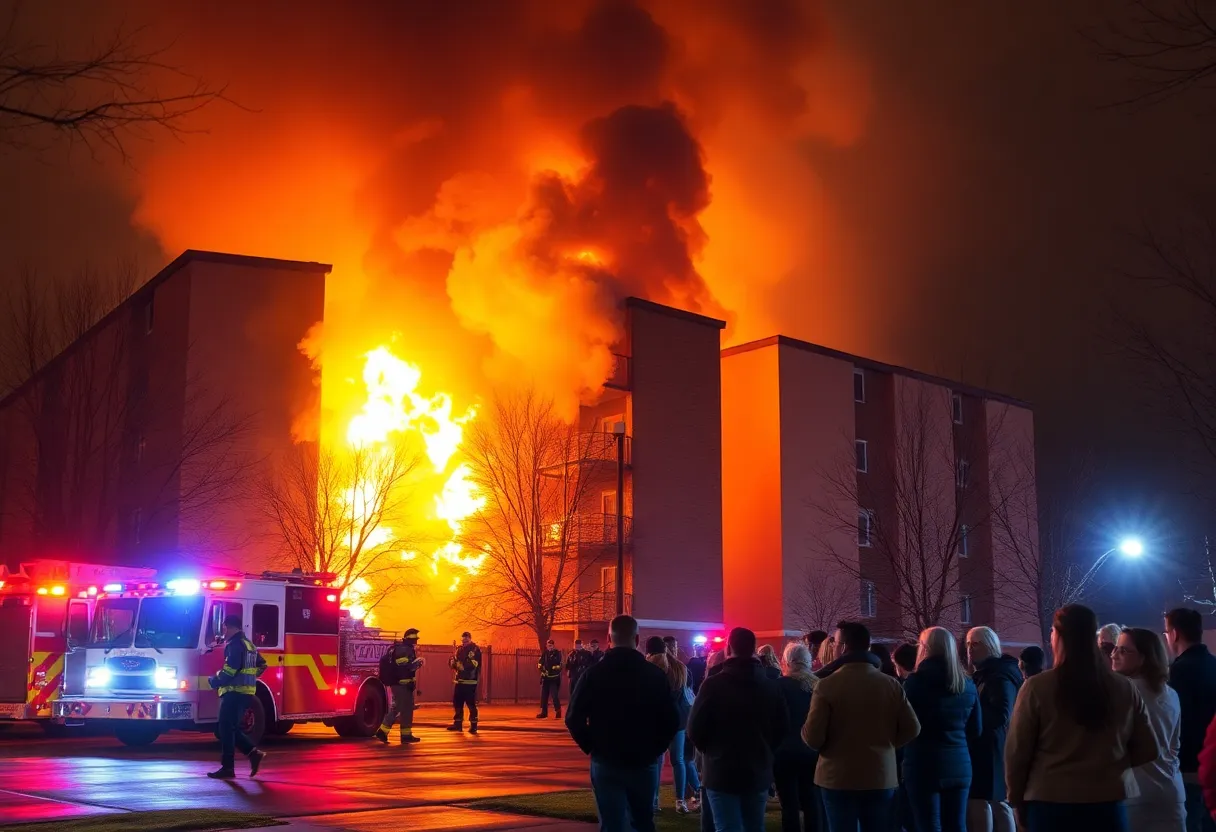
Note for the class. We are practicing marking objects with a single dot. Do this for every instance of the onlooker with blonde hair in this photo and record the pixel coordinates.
(997, 679)
(1161, 804)
(794, 761)
(937, 764)
(827, 652)
(683, 771)
(770, 662)
(1076, 730)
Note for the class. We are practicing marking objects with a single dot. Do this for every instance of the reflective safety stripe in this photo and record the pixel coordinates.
(245, 679)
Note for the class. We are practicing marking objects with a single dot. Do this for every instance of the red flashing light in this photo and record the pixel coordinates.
(1, 584)
(218, 585)
(331, 598)
(717, 639)
(340, 691)
(43, 590)
(58, 590)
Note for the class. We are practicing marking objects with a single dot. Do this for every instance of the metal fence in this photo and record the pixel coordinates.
(507, 676)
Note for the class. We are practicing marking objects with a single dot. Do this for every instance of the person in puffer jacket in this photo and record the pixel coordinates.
(997, 679)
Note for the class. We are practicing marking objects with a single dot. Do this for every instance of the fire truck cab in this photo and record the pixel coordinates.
(45, 607)
(151, 648)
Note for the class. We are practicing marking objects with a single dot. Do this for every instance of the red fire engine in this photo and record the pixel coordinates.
(44, 607)
(151, 648)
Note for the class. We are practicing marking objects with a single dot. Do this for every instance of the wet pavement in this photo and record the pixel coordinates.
(312, 776)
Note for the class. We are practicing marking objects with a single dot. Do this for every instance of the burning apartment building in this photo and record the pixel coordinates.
(131, 445)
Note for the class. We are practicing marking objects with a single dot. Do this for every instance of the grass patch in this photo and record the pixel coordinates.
(168, 820)
(579, 805)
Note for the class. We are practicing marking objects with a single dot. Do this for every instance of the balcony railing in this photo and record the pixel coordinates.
(592, 607)
(621, 377)
(584, 531)
(591, 447)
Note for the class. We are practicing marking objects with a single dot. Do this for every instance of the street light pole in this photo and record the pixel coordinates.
(619, 429)
(1131, 547)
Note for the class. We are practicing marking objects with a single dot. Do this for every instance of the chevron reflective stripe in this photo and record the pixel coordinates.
(309, 661)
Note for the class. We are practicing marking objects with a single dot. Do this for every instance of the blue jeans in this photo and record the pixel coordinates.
(1075, 817)
(232, 710)
(939, 809)
(1198, 818)
(683, 771)
(624, 795)
(851, 811)
(737, 812)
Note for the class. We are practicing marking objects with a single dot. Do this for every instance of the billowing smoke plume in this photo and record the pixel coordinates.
(491, 179)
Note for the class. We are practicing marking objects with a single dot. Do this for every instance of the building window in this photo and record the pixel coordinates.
(141, 445)
(956, 407)
(608, 423)
(863, 455)
(149, 313)
(136, 525)
(962, 473)
(962, 541)
(869, 600)
(965, 610)
(865, 527)
(859, 385)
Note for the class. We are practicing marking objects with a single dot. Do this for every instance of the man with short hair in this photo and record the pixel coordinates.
(596, 652)
(550, 667)
(1193, 678)
(904, 658)
(624, 717)
(236, 684)
(813, 640)
(466, 672)
(737, 721)
(577, 663)
(697, 668)
(858, 717)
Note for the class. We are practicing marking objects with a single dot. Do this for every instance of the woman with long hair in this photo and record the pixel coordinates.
(770, 662)
(794, 761)
(683, 772)
(1160, 807)
(1076, 730)
(827, 652)
(937, 764)
(997, 680)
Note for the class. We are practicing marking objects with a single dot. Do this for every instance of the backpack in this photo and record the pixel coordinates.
(388, 667)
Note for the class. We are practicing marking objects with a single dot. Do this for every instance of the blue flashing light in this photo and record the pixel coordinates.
(112, 588)
(183, 586)
(699, 639)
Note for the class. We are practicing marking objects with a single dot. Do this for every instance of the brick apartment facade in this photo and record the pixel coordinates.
(125, 446)
(824, 454)
(666, 389)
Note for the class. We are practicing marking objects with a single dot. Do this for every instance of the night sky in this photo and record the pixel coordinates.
(975, 205)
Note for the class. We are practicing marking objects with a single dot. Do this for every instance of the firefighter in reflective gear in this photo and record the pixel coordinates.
(466, 671)
(577, 663)
(406, 660)
(550, 667)
(236, 684)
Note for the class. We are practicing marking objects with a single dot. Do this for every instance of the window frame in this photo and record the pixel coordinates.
(964, 545)
(962, 474)
(956, 407)
(861, 449)
(965, 611)
(869, 599)
(859, 376)
(868, 515)
(149, 313)
(278, 624)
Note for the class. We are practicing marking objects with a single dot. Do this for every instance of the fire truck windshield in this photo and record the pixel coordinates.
(113, 623)
(169, 621)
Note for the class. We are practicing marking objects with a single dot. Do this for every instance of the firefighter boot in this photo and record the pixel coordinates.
(382, 735)
(557, 713)
(409, 739)
(455, 726)
(472, 727)
(255, 761)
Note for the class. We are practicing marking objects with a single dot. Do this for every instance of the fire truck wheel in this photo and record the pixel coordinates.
(369, 713)
(253, 724)
(136, 734)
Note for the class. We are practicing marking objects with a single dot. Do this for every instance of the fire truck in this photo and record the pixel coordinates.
(151, 648)
(45, 606)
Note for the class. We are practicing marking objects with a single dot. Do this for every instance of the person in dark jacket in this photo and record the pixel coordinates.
(596, 653)
(1193, 678)
(885, 663)
(904, 659)
(1031, 661)
(737, 722)
(697, 668)
(466, 671)
(403, 687)
(550, 666)
(770, 662)
(236, 684)
(997, 680)
(937, 764)
(577, 662)
(794, 761)
(623, 716)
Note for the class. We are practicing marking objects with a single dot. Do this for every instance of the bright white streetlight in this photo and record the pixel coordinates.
(1131, 547)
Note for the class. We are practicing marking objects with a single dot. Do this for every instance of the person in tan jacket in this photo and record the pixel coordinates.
(858, 717)
(1076, 730)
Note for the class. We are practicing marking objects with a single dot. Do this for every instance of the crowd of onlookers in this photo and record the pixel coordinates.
(1118, 734)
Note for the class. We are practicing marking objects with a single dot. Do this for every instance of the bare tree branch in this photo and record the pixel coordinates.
(1168, 45)
(822, 601)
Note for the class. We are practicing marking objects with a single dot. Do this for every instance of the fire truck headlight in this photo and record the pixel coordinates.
(166, 678)
(97, 677)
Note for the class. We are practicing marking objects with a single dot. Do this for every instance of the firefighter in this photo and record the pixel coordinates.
(550, 667)
(403, 656)
(236, 684)
(577, 663)
(596, 653)
(466, 671)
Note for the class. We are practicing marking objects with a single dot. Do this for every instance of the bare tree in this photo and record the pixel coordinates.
(343, 513)
(529, 465)
(822, 601)
(114, 90)
(1040, 539)
(909, 514)
(1168, 45)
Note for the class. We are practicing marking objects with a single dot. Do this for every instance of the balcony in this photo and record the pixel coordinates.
(621, 377)
(592, 608)
(590, 448)
(586, 531)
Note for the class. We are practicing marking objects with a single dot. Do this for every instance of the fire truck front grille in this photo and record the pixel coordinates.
(125, 682)
(131, 664)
